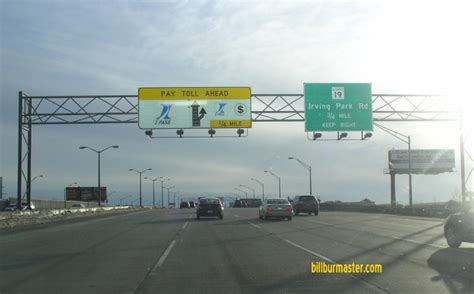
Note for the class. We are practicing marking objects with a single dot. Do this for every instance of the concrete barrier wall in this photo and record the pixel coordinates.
(55, 204)
(435, 211)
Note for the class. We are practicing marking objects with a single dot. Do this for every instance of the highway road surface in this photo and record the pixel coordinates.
(169, 251)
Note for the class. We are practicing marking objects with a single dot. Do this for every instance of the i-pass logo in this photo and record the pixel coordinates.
(164, 118)
(220, 111)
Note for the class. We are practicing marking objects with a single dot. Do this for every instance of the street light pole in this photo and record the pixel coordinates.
(246, 195)
(153, 180)
(263, 187)
(279, 181)
(140, 174)
(98, 167)
(174, 199)
(308, 167)
(250, 188)
(169, 188)
(162, 179)
(124, 198)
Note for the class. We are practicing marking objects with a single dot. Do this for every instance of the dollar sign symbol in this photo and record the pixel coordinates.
(240, 109)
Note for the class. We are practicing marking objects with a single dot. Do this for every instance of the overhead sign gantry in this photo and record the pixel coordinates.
(124, 109)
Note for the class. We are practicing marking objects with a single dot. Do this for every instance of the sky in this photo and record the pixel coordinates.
(113, 48)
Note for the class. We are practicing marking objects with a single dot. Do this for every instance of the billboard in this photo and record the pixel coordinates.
(424, 161)
(85, 193)
(194, 108)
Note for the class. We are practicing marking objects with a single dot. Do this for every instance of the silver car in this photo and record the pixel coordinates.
(278, 208)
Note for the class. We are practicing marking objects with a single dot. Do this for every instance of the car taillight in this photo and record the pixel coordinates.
(290, 208)
(269, 209)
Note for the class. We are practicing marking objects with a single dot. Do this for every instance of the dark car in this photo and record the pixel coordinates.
(210, 207)
(191, 204)
(459, 227)
(237, 203)
(305, 204)
(184, 204)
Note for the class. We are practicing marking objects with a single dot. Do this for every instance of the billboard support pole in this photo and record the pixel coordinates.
(20, 151)
(393, 199)
(28, 172)
(410, 191)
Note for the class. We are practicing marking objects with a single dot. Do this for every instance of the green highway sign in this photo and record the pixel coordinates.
(338, 107)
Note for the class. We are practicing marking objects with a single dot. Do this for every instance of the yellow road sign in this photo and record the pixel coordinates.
(218, 124)
(201, 93)
(191, 108)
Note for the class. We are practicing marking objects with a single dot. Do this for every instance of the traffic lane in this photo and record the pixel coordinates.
(419, 231)
(104, 255)
(403, 258)
(395, 226)
(215, 256)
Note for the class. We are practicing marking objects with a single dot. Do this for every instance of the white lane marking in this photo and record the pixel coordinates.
(115, 216)
(405, 225)
(418, 242)
(322, 223)
(185, 224)
(164, 256)
(252, 224)
(309, 251)
(236, 215)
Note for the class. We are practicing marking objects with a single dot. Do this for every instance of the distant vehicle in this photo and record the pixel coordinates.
(459, 227)
(11, 207)
(277, 208)
(78, 206)
(184, 204)
(251, 202)
(210, 207)
(237, 203)
(191, 204)
(306, 204)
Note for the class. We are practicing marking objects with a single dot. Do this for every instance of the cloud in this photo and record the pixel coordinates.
(97, 48)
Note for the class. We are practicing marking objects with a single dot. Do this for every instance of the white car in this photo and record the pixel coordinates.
(11, 207)
(78, 205)
(277, 208)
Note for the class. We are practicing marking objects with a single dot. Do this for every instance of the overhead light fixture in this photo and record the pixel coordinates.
(367, 136)
(212, 132)
(317, 135)
(342, 136)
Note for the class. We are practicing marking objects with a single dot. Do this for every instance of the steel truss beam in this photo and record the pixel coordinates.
(116, 109)
(265, 108)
